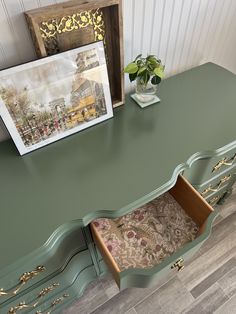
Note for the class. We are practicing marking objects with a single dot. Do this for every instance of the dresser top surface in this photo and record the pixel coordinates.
(113, 164)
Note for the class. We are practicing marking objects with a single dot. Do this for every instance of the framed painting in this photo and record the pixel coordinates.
(59, 27)
(51, 98)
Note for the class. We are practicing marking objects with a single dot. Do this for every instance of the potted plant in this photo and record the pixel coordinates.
(148, 73)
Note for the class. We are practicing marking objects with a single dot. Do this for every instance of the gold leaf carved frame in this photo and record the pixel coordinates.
(64, 26)
(91, 18)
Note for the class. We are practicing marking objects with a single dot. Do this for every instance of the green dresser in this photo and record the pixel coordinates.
(51, 198)
(214, 176)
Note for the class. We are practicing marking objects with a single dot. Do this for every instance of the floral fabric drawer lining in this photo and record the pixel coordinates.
(143, 238)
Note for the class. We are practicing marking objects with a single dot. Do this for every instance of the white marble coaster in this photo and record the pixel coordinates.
(145, 104)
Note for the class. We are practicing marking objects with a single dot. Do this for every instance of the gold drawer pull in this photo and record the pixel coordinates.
(179, 264)
(23, 280)
(224, 162)
(54, 303)
(217, 187)
(214, 200)
(19, 307)
(23, 305)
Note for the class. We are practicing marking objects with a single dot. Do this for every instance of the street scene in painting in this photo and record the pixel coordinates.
(51, 98)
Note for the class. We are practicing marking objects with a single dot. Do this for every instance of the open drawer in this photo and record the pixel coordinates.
(156, 238)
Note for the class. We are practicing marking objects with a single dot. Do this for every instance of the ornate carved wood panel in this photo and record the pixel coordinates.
(68, 25)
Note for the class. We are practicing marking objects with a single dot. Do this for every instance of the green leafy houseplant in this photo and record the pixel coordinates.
(145, 69)
(148, 73)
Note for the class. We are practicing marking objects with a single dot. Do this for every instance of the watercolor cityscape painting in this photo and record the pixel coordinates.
(48, 99)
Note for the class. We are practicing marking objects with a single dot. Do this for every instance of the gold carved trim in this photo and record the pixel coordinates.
(179, 264)
(214, 200)
(25, 277)
(69, 23)
(224, 162)
(54, 303)
(217, 187)
(23, 305)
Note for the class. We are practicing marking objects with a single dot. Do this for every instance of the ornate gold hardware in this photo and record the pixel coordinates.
(48, 289)
(69, 23)
(23, 280)
(214, 200)
(42, 293)
(20, 306)
(54, 303)
(224, 162)
(217, 187)
(178, 264)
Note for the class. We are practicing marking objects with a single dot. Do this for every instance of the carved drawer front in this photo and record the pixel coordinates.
(212, 186)
(156, 238)
(52, 294)
(220, 196)
(205, 169)
(39, 265)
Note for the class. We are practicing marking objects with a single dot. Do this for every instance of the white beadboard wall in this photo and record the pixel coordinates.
(183, 33)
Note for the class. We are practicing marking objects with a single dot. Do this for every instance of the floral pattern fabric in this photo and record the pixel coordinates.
(143, 238)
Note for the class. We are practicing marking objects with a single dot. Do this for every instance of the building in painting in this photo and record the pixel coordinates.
(58, 107)
(83, 101)
(87, 97)
(87, 60)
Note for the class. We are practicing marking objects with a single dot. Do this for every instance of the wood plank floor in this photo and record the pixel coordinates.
(207, 284)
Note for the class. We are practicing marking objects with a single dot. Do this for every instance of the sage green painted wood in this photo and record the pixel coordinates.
(223, 192)
(62, 247)
(144, 280)
(110, 169)
(219, 193)
(103, 267)
(77, 289)
(74, 291)
(233, 179)
(146, 277)
(201, 170)
(65, 279)
(92, 249)
(228, 191)
(216, 180)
